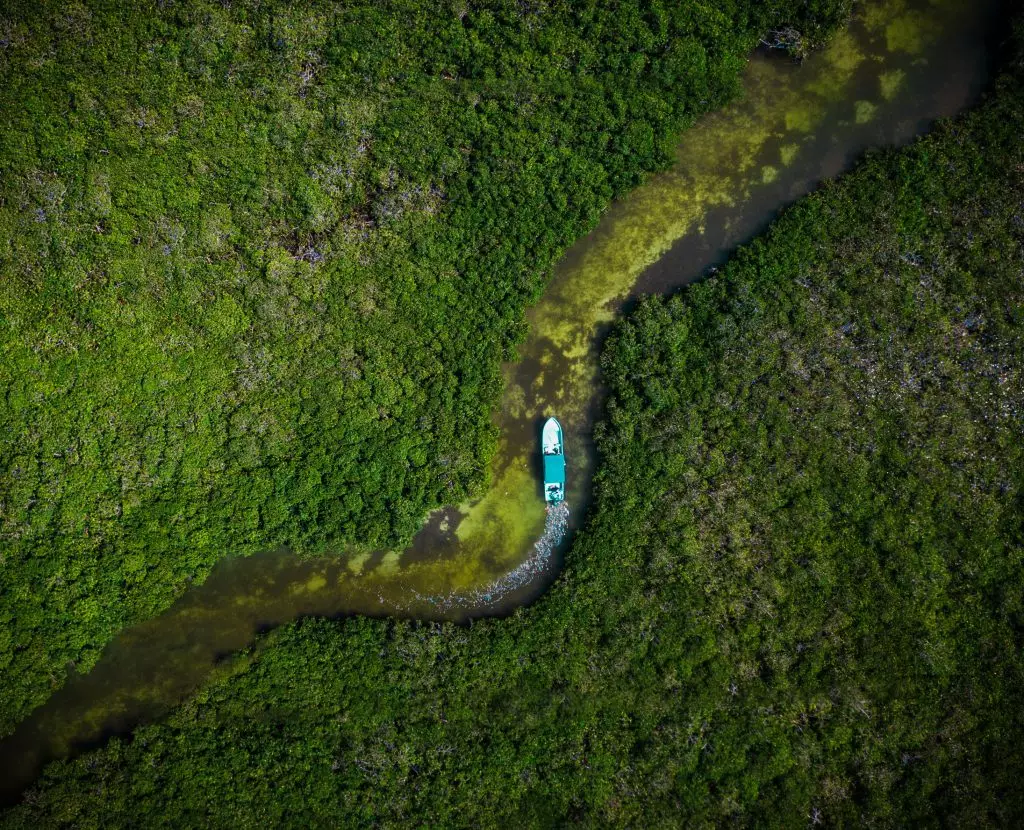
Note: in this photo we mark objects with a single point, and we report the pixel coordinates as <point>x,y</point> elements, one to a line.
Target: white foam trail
<point>556,523</point>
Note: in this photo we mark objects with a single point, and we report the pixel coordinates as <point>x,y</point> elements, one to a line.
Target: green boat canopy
<point>554,468</point>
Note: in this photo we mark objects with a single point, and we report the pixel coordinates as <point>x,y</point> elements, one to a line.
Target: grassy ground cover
<point>799,599</point>
<point>260,264</point>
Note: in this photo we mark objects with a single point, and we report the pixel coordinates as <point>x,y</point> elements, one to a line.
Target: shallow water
<point>899,65</point>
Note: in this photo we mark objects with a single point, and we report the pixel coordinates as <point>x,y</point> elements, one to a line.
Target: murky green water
<point>898,66</point>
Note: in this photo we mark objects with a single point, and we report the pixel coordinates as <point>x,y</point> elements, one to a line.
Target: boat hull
<point>553,449</point>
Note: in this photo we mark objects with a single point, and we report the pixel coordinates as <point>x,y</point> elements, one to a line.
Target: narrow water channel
<point>899,65</point>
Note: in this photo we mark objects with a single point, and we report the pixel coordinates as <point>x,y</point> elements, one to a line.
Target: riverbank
<point>796,600</point>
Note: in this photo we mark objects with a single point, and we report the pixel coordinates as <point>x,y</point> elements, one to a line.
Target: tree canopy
<point>798,599</point>
<point>261,262</point>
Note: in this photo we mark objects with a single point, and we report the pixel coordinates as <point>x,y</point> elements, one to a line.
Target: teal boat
<point>554,461</point>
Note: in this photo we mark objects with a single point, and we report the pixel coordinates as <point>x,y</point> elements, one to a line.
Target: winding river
<point>897,67</point>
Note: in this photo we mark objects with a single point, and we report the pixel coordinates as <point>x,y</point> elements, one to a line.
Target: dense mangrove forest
<point>262,263</point>
<point>266,275</point>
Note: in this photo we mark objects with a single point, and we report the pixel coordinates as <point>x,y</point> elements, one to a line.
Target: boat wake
<point>556,523</point>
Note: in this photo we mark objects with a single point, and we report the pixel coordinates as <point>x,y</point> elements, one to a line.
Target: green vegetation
<point>261,263</point>
<point>799,598</point>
